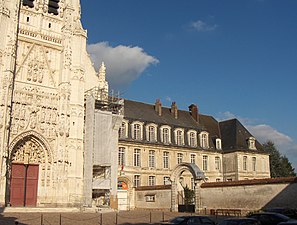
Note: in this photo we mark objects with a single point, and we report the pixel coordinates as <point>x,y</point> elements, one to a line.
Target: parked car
<point>292,213</point>
<point>290,222</point>
<point>239,221</point>
<point>190,220</point>
<point>269,218</point>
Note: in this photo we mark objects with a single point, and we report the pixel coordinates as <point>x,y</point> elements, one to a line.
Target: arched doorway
<point>124,193</point>
<point>198,176</point>
<point>30,169</point>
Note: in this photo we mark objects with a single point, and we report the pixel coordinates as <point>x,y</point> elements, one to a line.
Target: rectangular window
<point>122,131</point>
<point>151,158</point>
<point>254,163</point>
<point>152,181</point>
<point>136,180</point>
<point>204,140</point>
<point>166,136</point>
<point>136,157</point>
<point>192,139</point>
<point>205,162</point>
<point>179,158</point>
<point>121,156</point>
<point>217,163</point>
<point>151,134</point>
<point>244,165</point>
<point>137,132</point>
<point>179,137</point>
<point>166,160</point>
<point>218,144</point>
<point>150,198</point>
<point>166,180</point>
<point>193,158</point>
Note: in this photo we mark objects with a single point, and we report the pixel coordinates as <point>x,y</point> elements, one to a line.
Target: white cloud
<point>201,26</point>
<point>263,133</point>
<point>124,63</point>
<point>283,142</point>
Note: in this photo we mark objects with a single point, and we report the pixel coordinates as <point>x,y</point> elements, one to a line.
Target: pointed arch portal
<point>29,154</point>
<point>198,176</point>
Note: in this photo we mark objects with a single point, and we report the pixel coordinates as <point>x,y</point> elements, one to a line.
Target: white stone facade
<point>44,73</point>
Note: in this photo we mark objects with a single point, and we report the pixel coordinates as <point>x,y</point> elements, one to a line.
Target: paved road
<point>108,218</point>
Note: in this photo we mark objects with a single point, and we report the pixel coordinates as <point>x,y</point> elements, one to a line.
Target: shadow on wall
<point>285,198</point>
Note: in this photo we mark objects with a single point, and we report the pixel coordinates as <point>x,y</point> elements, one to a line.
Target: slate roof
<point>233,134</point>
<point>144,112</point>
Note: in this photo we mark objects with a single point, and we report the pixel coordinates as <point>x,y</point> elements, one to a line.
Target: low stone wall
<point>153,197</point>
<point>243,196</point>
<point>249,195</point>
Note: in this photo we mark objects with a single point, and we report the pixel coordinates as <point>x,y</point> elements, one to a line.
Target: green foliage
<point>280,165</point>
<point>189,196</point>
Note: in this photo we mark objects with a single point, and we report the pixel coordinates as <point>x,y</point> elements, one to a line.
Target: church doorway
<point>30,171</point>
<point>24,184</point>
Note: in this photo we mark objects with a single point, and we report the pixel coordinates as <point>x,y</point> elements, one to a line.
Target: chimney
<point>158,107</point>
<point>174,110</point>
<point>194,112</point>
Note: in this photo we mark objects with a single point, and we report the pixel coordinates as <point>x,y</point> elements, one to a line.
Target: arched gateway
<point>198,176</point>
<point>30,168</point>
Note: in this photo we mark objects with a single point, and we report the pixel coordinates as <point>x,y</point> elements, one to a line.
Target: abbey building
<point>65,142</point>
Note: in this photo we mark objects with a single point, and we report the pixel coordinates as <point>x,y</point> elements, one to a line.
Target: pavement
<point>71,216</point>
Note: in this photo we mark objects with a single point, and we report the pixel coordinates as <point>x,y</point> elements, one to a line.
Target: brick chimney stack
<point>158,107</point>
<point>174,110</point>
<point>194,112</point>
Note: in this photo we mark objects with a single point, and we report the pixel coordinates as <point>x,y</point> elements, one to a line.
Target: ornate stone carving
<point>29,148</point>
<point>35,109</point>
<point>35,67</point>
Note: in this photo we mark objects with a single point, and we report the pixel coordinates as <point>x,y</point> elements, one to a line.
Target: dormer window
<point>218,144</point>
<point>123,131</point>
<point>179,137</point>
<point>165,134</point>
<point>252,143</point>
<point>137,131</point>
<point>151,133</point>
<point>192,138</point>
<point>204,139</point>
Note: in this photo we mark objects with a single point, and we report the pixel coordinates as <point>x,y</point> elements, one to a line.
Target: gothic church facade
<point>44,73</point>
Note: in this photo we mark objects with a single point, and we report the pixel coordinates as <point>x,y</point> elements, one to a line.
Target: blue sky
<point>235,58</point>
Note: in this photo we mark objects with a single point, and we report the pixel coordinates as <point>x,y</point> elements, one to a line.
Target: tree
<point>280,166</point>
<point>189,196</point>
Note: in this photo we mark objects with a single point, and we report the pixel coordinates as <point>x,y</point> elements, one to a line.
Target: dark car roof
<point>290,222</point>
<point>271,213</point>
<point>238,220</point>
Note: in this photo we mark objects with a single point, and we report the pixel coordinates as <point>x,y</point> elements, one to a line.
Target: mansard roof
<point>235,135</point>
<point>146,113</point>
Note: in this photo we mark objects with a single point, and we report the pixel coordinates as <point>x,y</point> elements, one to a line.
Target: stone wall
<point>246,195</point>
<point>249,195</point>
<point>153,197</point>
